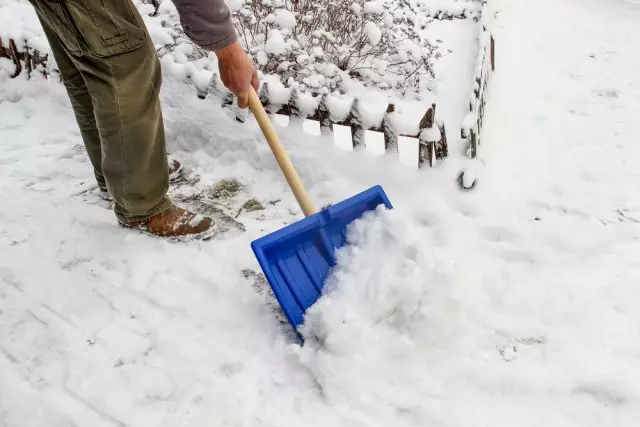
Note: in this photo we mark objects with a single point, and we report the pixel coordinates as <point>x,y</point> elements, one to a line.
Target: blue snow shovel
<point>297,259</point>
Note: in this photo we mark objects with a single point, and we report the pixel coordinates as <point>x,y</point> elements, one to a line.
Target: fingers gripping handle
<point>281,156</point>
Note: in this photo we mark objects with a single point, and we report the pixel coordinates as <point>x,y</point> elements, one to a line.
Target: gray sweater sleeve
<point>206,22</point>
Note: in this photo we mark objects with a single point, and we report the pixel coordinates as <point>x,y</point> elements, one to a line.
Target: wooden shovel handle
<point>281,156</point>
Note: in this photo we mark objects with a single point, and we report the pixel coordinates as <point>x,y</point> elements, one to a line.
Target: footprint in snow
<point>603,394</point>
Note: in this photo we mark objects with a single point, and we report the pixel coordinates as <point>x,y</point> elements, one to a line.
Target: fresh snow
<point>19,22</point>
<point>373,7</point>
<point>275,43</point>
<point>374,33</point>
<point>339,106</point>
<point>285,19</point>
<point>234,4</point>
<point>513,304</point>
<point>431,134</point>
<point>356,9</point>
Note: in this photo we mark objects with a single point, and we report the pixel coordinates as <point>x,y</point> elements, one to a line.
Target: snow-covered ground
<point>515,304</point>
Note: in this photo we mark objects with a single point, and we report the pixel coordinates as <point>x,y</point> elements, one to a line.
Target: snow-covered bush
<point>318,43</point>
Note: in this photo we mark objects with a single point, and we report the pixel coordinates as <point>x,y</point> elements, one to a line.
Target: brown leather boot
<point>177,224</point>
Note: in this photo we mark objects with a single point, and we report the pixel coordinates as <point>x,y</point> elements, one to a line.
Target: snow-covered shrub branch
<point>15,60</point>
<point>447,10</point>
<point>318,43</point>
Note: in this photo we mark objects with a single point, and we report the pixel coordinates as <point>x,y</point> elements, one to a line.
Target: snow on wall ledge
<point>485,64</point>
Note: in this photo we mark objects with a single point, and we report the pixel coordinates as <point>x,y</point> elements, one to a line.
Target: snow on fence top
<point>363,116</point>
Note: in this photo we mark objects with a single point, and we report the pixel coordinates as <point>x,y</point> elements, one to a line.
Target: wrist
<point>228,51</point>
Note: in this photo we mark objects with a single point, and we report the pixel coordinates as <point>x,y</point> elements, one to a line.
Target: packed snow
<point>515,303</point>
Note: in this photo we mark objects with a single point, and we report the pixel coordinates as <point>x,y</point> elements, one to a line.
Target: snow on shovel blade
<point>297,259</point>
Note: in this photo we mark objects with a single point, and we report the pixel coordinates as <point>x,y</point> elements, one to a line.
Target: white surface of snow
<point>373,7</point>
<point>275,43</point>
<point>20,23</point>
<point>234,4</point>
<point>374,34</point>
<point>431,134</point>
<point>514,304</point>
<point>339,106</point>
<point>285,19</point>
<point>356,9</point>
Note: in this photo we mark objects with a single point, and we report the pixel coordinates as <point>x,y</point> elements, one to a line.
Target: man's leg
<point>82,104</point>
<point>110,47</point>
<point>126,88</point>
<point>80,100</point>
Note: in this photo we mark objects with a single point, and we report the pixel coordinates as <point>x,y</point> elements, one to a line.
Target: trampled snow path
<point>533,307</point>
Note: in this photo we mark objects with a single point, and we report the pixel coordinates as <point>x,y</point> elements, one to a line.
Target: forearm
<point>207,23</point>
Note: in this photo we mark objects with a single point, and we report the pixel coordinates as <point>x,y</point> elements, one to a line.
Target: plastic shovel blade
<point>297,259</point>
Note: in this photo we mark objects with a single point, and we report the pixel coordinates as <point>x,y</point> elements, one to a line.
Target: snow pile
<point>413,317</point>
<point>387,319</point>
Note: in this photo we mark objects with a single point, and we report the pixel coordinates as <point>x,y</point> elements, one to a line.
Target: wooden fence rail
<point>432,140</point>
<point>430,133</point>
<point>485,65</point>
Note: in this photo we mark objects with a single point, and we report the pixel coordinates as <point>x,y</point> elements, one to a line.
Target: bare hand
<point>237,72</point>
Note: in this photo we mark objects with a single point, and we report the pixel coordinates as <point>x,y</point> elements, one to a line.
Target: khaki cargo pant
<point>112,74</point>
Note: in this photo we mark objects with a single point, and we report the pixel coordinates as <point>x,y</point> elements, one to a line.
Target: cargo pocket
<point>54,14</point>
<point>108,27</point>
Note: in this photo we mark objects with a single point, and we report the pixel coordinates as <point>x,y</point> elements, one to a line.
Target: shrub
<point>323,43</point>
